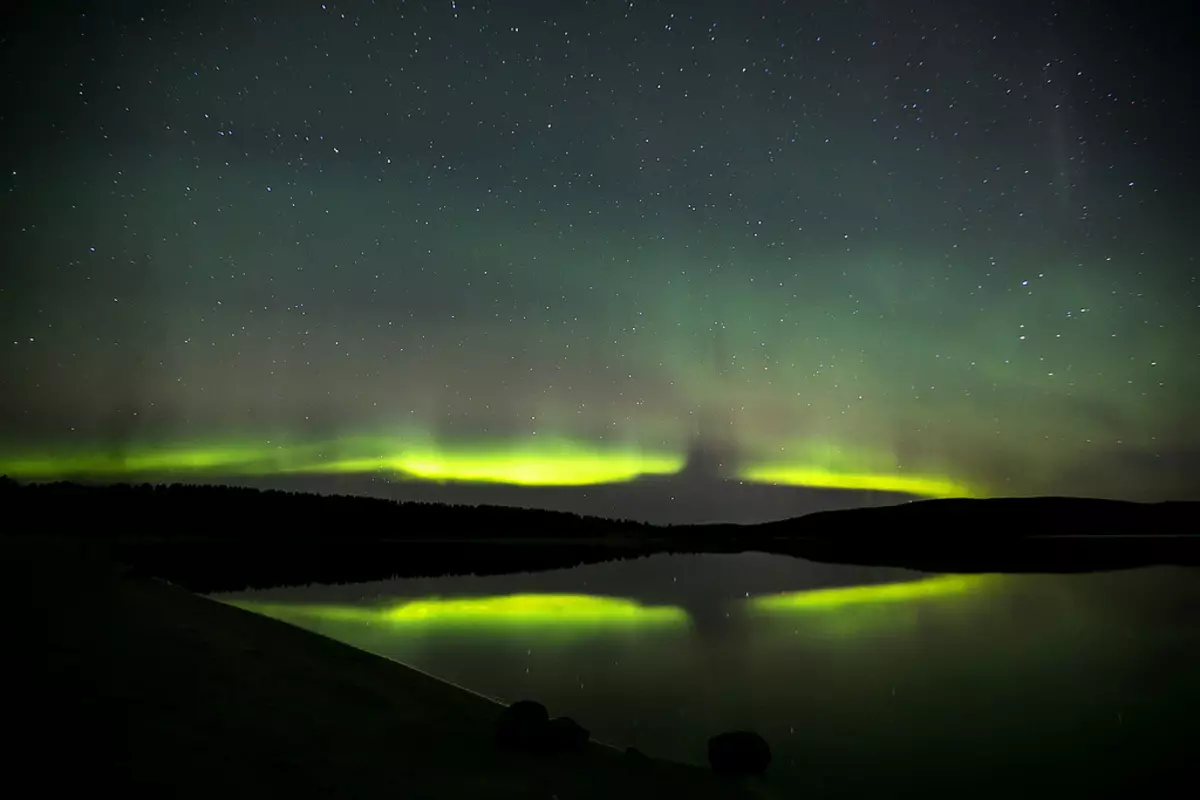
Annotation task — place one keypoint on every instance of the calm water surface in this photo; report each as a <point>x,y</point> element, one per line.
<point>861,679</point>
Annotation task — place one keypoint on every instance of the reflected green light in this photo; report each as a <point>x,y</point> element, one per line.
<point>565,611</point>
<point>818,478</point>
<point>841,597</point>
<point>550,462</point>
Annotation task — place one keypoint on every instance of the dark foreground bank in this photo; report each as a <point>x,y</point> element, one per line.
<point>133,687</point>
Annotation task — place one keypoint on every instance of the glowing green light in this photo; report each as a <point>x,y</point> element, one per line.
<point>550,462</point>
<point>546,461</point>
<point>40,468</point>
<point>517,610</point>
<point>841,597</point>
<point>223,459</point>
<point>919,485</point>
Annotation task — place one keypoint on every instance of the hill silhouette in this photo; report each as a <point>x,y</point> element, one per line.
<point>213,538</point>
<point>1015,534</point>
<point>1005,516</point>
<point>187,511</point>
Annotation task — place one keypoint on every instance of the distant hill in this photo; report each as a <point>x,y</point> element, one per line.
<point>187,511</point>
<point>1036,534</point>
<point>171,511</point>
<point>212,538</point>
<point>1005,517</point>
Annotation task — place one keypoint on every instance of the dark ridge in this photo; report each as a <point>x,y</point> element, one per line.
<point>216,538</point>
<point>1006,516</point>
<point>183,511</point>
<point>1012,534</point>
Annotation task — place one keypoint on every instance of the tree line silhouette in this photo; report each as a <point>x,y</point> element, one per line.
<point>180,511</point>
<point>216,538</point>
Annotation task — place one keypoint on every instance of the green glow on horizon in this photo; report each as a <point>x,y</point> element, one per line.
<point>560,611</point>
<point>918,485</point>
<point>546,461</point>
<point>227,460</point>
<point>556,464</point>
<point>845,596</point>
<point>553,462</point>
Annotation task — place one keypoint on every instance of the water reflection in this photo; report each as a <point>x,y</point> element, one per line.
<point>1074,682</point>
<point>576,612</point>
<point>828,599</point>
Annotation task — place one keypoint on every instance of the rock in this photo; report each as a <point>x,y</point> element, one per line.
<point>522,726</point>
<point>564,735</point>
<point>635,757</point>
<point>739,753</point>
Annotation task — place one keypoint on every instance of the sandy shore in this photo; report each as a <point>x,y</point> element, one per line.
<point>137,685</point>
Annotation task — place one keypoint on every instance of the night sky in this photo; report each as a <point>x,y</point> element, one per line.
<point>605,256</point>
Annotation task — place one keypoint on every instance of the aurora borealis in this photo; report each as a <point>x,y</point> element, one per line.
<point>670,248</point>
<point>548,463</point>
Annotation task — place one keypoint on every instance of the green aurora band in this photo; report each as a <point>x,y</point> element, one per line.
<point>549,463</point>
<point>919,485</point>
<point>546,462</point>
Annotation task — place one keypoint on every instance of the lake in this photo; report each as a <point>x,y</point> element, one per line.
<point>861,679</point>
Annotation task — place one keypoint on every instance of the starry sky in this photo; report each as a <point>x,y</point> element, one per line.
<point>749,259</point>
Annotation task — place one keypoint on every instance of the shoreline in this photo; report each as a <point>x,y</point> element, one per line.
<point>495,701</point>
<point>214,566</point>
<point>160,690</point>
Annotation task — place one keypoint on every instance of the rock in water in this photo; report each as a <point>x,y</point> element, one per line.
<point>739,753</point>
<point>565,735</point>
<point>522,726</point>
